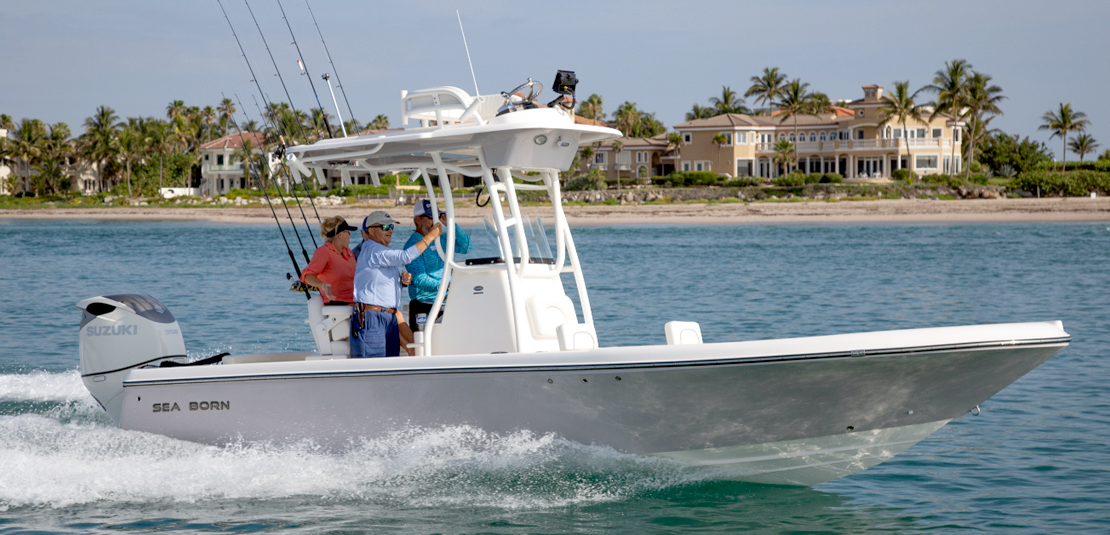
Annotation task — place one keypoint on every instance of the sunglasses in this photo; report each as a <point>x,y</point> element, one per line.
<point>386,228</point>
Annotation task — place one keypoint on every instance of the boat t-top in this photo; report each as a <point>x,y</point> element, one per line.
<point>512,351</point>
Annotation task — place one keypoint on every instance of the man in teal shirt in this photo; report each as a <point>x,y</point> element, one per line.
<point>427,269</point>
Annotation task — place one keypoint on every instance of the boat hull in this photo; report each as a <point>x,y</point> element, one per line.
<point>774,418</point>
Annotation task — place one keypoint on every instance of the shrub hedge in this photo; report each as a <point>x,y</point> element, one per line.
<point>1093,165</point>
<point>1072,183</point>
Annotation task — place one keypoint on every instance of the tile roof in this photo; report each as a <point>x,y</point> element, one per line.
<point>235,141</point>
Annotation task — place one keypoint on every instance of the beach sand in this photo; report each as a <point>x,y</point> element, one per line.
<point>882,211</point>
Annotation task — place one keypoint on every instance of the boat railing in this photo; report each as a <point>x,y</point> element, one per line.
<point>446,105</point>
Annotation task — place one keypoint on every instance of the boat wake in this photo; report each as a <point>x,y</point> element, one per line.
<point>58,449</point>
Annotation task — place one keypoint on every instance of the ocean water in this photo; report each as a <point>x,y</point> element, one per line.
<point>1036,460</point>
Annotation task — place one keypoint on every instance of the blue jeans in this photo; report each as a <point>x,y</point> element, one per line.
<point>378,336</point>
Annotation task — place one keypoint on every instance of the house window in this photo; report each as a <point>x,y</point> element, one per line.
<point>920,133</point>
<point>640,157</point>
<point>742,138</point>
<point>782,137</point>
<point>728,139</point>
<point>687,138</point>
<point>936,133</point>
<point>925,162</point>
<point>859,134</point>
<point>956,134</point>
<point>206,157</point>
<point>791,137</point>
<point>697,166</point>
<point>219,159</point>
<point>822,136</point>
<point>897,133</point>
<point>685,166</point>
<point>860,113</point>
<point>599,158</point>
<point>813,136</point>
<point>743,167</point>
<point>844,134</point>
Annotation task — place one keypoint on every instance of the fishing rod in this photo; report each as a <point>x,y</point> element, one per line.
<point>292,257</point>
<point>304,71</point>
<point>339,83</point>
<point>294,108</point>
<point>270,203</point>
<point>259,86</point>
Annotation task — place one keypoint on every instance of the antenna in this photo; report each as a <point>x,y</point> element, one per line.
<point>338,82</point>
<point>461,30</point>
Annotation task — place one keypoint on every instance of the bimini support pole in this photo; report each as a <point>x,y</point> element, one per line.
<point>520,319</point>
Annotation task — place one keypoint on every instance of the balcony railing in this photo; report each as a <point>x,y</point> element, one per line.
<point>598,166</point>
<point>226,167</point>
<point>859,144</point>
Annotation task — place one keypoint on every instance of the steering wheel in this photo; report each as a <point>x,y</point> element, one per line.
<point>532,92</point>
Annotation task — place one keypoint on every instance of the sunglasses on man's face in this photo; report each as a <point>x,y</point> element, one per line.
<point>386,228</point>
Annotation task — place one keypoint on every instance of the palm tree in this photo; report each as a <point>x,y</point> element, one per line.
<point>1063,121</point>
<point>819,103</point>
<point>586,158</point>
<point>381,122</point>
<point>950,85</point>
<point>618,147</point>
<point>699,112</point>
<point>252,126</point>
<point>227,114</point>
<point>131,147</point>
<point>160,138</point>
<point>785,153</point>
<point>57,150</point>
<point>319,123</point>
<point>591,108</point>
<point>628,118</point>
<point>982,100</point>
<point>674,139</point>
<point>208,118</point>
<point>728,102</point>
<point>795,100</point>
<point>767,87</point>
<point>900,106</point>
<point>720,139</point>
<point>175,109</point>
<point>353,127</point>
<point>99,141</point>
<point>26,147</point>
<point>1083,145</point>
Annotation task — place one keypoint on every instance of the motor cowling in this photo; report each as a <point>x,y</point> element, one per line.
<point>121,332</point>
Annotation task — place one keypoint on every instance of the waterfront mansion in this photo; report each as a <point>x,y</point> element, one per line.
<point>847,140</point>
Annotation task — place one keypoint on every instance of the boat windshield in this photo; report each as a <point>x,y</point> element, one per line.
<point>539,247</point>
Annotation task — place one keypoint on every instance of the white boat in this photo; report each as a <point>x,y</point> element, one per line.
<point>512,351</point>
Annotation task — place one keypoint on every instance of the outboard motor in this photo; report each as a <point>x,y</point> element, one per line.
<point>121,332</point>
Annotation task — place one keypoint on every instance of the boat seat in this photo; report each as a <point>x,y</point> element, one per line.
<point>548,312</point>
<point>444,105</point>
<point>682,333</point>
<point>331,327</point>
<point>576,337</point>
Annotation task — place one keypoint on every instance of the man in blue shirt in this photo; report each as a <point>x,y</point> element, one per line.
<point>378,279</point>
<point>427,269</point>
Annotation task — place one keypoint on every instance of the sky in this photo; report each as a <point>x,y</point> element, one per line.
<point>63,58</point>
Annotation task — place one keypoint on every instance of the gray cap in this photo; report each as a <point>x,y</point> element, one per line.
<point>377,218</point>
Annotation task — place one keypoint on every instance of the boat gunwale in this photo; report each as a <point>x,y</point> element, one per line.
<point>496,368</point>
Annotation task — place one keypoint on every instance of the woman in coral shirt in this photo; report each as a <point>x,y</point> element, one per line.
<point>332,268</point>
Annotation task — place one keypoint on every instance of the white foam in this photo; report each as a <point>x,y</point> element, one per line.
<point>42,386</point>
<point>46,462</point>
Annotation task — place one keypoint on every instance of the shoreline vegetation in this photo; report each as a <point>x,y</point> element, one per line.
<point>132,158</point>
<point>694,212</point>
